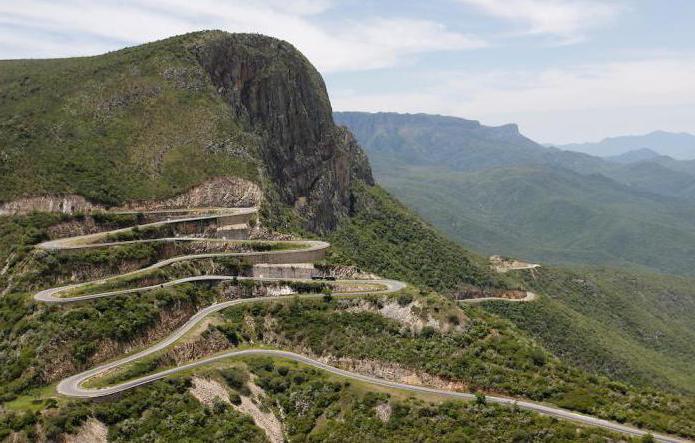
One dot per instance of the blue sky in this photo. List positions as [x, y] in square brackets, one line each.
[564, 70]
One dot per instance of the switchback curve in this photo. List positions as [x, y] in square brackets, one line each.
[72, 386]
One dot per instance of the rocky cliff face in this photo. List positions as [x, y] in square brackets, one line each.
[190, 113]
[273, 89]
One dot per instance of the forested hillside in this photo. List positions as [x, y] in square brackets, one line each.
[500, 193]
[149, 193]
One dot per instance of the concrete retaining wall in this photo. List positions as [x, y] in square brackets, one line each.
[286, 257]
[234, 219]
[232, 232]
[298, 270]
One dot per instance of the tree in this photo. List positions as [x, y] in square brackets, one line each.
[327, 294]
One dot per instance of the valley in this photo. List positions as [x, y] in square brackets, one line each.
[497, 191]
[72, 386]
[192, 249]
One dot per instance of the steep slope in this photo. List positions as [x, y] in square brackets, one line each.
[222, 111]
[172, 114]
[153, 292]
[499, 192]
[389, 239]
[270, 85]
[462, 145]
[634, 327]
[603, 320]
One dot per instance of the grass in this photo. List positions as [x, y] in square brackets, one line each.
[317, 407]
[386, 238]
[500, 193]
[489, 354]
[149, 113]
[35, 400]
[631, 327]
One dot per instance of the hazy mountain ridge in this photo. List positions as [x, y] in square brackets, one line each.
[156, 120]
[467, 145]
[508, 194]
[461, 144]
[680, 146]
[634, 156]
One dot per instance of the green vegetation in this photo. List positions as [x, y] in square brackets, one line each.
[386, 238]
[148, 113]
[35, 336]
[480, 350]
[151, 114]
[549, 215]
[46, 268]
[500, 193]
[486, 354]
[163, 410]
[630, 327]
[320, 408]
[52, 268]
[315, 407]
[19, 234]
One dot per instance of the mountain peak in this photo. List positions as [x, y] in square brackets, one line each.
[635, 156]
[197, 106]
[509, 129]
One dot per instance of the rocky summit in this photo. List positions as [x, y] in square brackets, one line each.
[273, 89]
[172, 114]
[192, 250]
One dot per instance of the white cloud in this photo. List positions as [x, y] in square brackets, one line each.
[382, 42]
[566, 19]
[97, 26]
[651, 84]
[625, 83]
[531, 96]
[298, 7]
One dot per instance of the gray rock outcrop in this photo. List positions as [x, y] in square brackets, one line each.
[274, 90]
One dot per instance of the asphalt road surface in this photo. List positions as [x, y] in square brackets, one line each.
[72, 386]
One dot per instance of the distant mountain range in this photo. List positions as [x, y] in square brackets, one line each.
[211, 119]
[500, 192]
[636, 156]
[680, 146]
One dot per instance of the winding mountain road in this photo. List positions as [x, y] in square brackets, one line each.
[72, 386]
[530, 296]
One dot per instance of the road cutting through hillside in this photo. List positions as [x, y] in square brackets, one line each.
[530, 296]
[72, 386]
